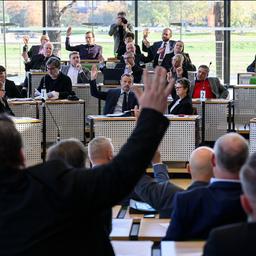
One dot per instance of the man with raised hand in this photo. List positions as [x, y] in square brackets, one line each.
[52, 209]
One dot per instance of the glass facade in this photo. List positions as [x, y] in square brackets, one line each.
[200, 24]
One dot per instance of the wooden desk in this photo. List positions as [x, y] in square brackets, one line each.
[132, 248]
[244, 101]
[28, 108]
[217, 112]
[115, 211]
[121, 229]
[182, 248]
[70, 117]
[30, 130]
[153, 229]
[181, 138]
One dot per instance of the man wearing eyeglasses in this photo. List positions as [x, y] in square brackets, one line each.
[74, 70]
[118, 100]
[56, 84]
[88, 51]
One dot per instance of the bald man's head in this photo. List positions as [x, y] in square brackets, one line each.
[100, 150]
[231, 152]
[200, 164]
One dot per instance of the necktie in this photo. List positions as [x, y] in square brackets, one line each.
[163, 52]
[125, 103]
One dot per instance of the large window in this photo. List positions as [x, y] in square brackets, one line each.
[200, 24]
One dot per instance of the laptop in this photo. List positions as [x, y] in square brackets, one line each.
[112, 76]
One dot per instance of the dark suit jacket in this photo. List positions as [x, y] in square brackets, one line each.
[62, 84]
[122, 49]
[236, 240]
[38, 61]
[11, 90]
[137, 71]
[51, 209]
[156, 46]
[34, 50]
[198, 211]
[82, 77]
[184, 107]
[252, 66]
[4, 107]
[111, 98]
[167, 61]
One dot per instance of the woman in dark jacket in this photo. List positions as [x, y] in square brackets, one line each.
[4, 107]
[182, 104]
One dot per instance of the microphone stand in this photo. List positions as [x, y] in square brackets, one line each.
[44, 129]
[55, 123]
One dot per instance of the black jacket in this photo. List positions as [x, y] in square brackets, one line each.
[183, 108]
[51, 209]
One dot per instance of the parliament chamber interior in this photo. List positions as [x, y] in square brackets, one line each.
[160, 95]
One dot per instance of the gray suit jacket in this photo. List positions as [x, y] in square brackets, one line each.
[159, 192]
[217, 88]
[82, 77]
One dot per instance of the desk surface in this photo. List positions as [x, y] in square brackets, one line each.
[25, 120]
[32, 102]
[193, 248]
[170, 117]
[245, 86]
[153, 229]
[212, 101]
[121, 229]
[132, 248]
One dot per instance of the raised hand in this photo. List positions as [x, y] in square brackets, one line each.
[145, 33]
[155, 92]
[69, 31]
[25, 39]
[94, 72]
[179, 72]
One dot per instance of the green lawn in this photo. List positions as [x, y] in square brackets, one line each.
[201, 48]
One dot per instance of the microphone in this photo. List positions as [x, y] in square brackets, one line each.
[209, 65]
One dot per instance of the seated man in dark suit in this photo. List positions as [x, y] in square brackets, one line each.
[159, 192]
[37, 62]
[165, 46]
[57, 85]
[211, 85]
[117, 100]
[11, 90]
[130, 67]
[75, 71]
[238, 239]
[35, 49]
[88, 51]
[198, 211]
[52, 209]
